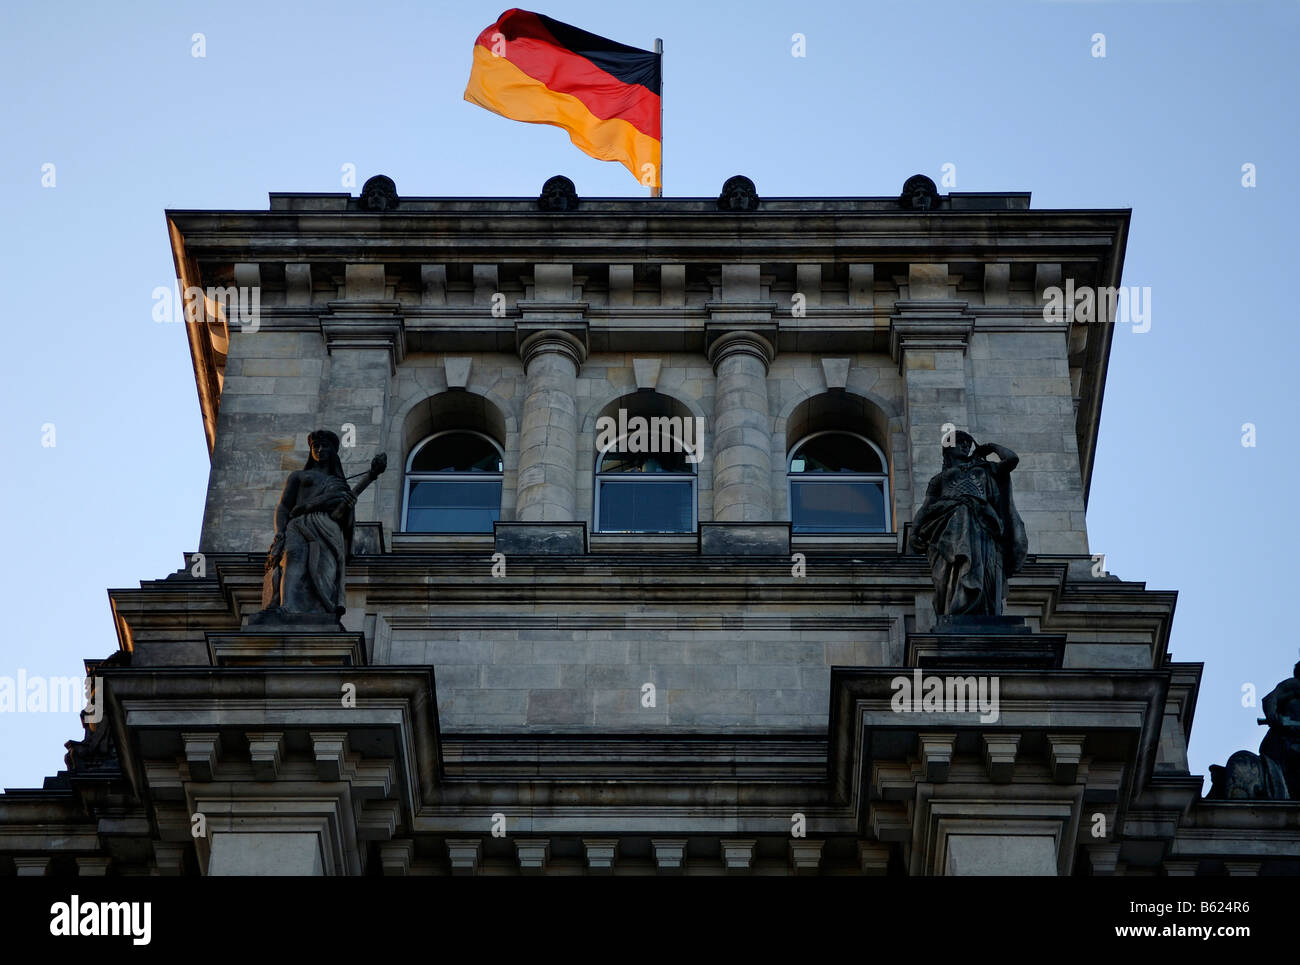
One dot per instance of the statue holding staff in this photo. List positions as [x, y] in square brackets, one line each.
[306, 563]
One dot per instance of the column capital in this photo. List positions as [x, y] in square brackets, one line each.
[552, 340]
[928, 326]
[365, 325]
[742, 342]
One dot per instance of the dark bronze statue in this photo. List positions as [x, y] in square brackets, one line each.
[969, 528]
[1274, 773]
[313, 534]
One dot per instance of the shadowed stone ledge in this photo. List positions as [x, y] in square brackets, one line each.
[745, 539]
[524, 539]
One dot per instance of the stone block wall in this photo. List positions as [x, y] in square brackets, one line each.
[594, 678]
[272, 397]
[1021, 397]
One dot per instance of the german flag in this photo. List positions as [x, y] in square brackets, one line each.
[528, 67]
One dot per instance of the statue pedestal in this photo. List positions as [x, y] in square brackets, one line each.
[287, 647]
[276, 619]
[966, 625]
[984, 643]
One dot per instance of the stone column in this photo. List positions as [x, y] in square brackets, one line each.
[548, 437]
[742, 434]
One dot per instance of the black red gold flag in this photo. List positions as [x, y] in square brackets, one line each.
[606, 95]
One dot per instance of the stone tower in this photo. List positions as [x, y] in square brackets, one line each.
[562, 655]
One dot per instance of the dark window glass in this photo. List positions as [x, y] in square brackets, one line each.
[457, 452]
[453, 505]
[615, 461]
[641, 506]
[837, 506]
[836, 452]
[467, 497]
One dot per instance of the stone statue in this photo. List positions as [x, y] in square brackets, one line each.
[379, 194]
[969, 528]
[738, 194]
[919, 194]
[1274, 773]
[558, 194]
[313, 534]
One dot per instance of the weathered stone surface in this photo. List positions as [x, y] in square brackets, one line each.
[745, 539]
[546, 538]
[646, 705]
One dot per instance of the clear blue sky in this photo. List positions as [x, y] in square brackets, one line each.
[1006, 91]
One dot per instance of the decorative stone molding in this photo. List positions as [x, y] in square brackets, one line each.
[647, 372]
[464, 855]
[670, 854]
[201, 754]
[806, 856]
[1000, 756]
[265, 750]
[457, 371]
[873, 857]
[93, 866]
[331, 751]
[738, 856]
[1104, 858]
[533, 855]
[396, 857]
[1065, 751]
[169, 857]
[367, 325]
[929, 326]
[936, 755]
[601, 853]
[836, 372]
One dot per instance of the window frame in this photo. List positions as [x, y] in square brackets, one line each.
[408, 477]
[824, 477]
[652, 478]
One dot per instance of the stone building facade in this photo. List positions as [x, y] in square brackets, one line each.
[540, 690]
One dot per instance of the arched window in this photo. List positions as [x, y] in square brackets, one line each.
[644, 492]
[839, 483]
[453, 484]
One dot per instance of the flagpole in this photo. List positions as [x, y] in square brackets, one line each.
[659, 49]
